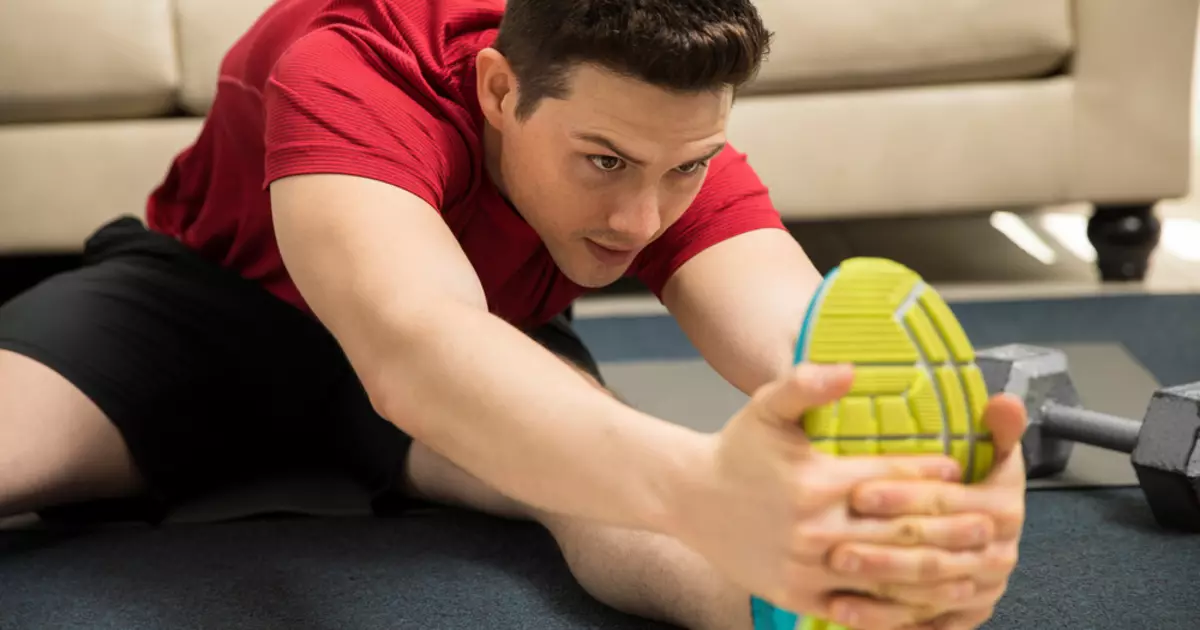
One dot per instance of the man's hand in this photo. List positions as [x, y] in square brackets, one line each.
[1001, 496]
[774, 515]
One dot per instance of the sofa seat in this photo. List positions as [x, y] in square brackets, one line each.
[833, 45]
[63, 180]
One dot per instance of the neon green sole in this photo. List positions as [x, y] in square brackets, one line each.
[916, 386]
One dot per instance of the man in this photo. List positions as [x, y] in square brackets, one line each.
[365, 257]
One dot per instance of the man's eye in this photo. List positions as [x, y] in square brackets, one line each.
[606, 163]
[692, 167]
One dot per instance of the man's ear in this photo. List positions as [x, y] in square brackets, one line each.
[496, 86]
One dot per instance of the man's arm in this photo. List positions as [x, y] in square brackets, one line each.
[380, 268]
[741, 303]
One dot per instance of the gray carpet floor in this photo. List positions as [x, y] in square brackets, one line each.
[1106, 375]
[1161, 331]
[1090, 559]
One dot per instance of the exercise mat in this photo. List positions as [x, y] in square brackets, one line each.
[1109, 379]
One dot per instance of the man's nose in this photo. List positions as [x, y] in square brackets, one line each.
[638, 220]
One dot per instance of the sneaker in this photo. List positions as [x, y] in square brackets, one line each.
[916, 387]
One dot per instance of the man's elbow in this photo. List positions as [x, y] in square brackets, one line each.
[407, 345]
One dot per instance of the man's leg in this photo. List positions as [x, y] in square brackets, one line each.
[56, 446]
[145, 376]
[640, 573]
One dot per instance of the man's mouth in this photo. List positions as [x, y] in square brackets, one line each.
[610, 255]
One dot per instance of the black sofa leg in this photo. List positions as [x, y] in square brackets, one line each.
[1124, 237]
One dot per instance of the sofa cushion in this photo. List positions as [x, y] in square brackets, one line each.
[66, 59]
[63, 180]
[834, 44]
[911, 151]
[207, 29]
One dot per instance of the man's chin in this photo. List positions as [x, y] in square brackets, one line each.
[594, 281]
[585, 270]
[593, 276]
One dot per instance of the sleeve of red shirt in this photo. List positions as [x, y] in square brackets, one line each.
[732, 201]
[340, 102]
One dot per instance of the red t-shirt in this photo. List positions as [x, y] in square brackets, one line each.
[385, 89]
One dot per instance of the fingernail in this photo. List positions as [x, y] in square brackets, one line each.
[849, 563]
[951, 473]
[835, 373]
[871, 501]
[980, 533]
[832, 374]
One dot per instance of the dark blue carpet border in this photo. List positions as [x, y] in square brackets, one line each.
[1160, 331]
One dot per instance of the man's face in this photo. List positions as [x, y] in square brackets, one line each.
[603, 173]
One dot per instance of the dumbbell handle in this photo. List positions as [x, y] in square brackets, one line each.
[1090, 427]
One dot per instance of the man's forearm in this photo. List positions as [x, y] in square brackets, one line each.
[742, 304]
[486, 397]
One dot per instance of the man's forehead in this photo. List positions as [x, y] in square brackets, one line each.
[591, 80]
[602, 99]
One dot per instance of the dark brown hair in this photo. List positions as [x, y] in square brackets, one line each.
[679, 45]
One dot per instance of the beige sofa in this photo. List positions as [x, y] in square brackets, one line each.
[888, 107]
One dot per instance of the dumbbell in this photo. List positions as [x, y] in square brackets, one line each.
[1162, 446]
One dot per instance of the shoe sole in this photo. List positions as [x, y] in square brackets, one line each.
[916, 390]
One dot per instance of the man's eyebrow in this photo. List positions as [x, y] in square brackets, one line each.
[608, 144]
[716, 149]
[624, 155]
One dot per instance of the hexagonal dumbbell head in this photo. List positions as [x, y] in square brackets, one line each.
[1167, 459]
[1036, 375]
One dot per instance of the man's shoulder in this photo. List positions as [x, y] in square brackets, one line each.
[437, 33]
[380, 89]
[431, 34]
[424, 49]
[730, 177]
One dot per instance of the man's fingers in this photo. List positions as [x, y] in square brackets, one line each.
[945, 605]
[1000, 495]
[889, 498]
[857, 610]
[863, 611]
[968, 619]
[955, 532]
[921, 565]
[809, 385]
[958, 604]
[1007, 420]
[852, 470]
[934, 598]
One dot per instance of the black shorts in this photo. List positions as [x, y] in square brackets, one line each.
[210, 379]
